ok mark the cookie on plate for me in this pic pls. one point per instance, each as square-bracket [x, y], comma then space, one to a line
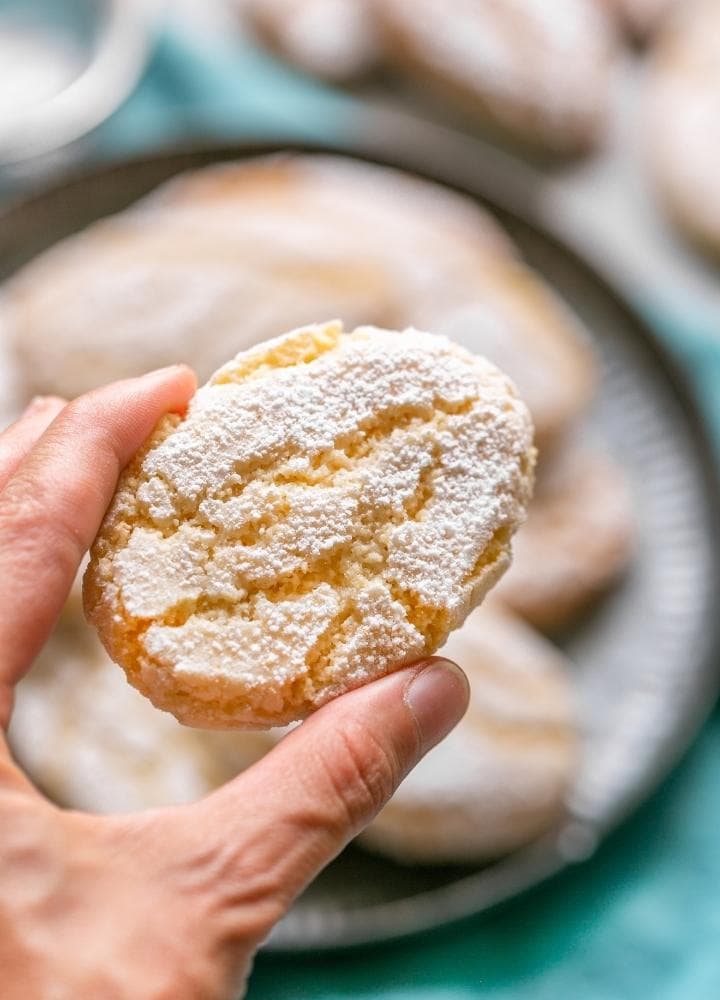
[333, 39]
[92, 742]
[683, 107]
[138, 292]
[522, 327]
[281, 544]
[220, 259]
[541, 71]
[500, 779]
[577, 540]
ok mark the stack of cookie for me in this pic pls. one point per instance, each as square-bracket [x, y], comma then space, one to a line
[219, 260]
[538, 74]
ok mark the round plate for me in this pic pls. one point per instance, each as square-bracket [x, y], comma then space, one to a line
[647, 671]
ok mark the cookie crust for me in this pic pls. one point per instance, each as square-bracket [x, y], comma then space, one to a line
[331, 506]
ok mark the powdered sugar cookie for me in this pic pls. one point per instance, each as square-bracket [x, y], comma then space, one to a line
[501, 777]
[222, 258]
[547, 354]
[450, 267]
[281, 543]
[577, 539]
[92, 742]
[541, 71]
[136, 293]
[333, 39]
[683, 99]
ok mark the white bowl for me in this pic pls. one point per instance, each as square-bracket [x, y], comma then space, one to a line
[66, 66]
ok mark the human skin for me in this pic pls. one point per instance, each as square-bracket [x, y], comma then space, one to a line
[170, 904]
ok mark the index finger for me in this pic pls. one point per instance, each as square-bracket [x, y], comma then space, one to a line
[52, 508]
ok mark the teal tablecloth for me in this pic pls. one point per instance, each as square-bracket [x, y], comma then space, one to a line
[642, 918]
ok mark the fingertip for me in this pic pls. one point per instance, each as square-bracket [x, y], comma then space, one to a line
[170, 372]
[180, 379]
[45, 405]
[437, 696]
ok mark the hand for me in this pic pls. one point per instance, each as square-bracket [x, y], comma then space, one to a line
[171, 903]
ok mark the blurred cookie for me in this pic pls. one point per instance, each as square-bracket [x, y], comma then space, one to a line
[683, 105]
[540, 70]
[501, 777]
[135, 293]
[547, 354]
[451, 268]
[92, 742]
[333, 39]
[280, 544]
[222, 258]
[577, 539]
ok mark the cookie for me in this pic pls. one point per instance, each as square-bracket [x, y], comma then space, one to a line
[500, 779]
[683, 109]
[332, 505]
[332, 39]
[577, 540]
[548, 356]
[222, 258]
[91, 742]
[540, 71]
[451, 268]
[135, 293]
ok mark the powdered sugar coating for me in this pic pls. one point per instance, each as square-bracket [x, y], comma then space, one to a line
[540, 69]
[330, 508]
[500, 778]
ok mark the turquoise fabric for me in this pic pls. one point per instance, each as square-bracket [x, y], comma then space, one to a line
[641, 918]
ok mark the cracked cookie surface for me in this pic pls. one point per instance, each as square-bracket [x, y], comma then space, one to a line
[330, 507]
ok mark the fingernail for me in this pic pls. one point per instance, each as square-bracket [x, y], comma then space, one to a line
[164, 372]
[40, 404]
[438, 698]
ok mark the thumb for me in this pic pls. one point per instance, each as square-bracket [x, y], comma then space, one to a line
[278, 824]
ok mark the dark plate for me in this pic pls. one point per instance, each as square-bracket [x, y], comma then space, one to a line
[647, 658]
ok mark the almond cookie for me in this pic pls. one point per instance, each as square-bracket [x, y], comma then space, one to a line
[539, 70]
[329, 509]
[547, 355]
[333, 39]
[220, 259]
[501, 777]
[138, 292]
[683, 104]
[91, 742]
[577, 540]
